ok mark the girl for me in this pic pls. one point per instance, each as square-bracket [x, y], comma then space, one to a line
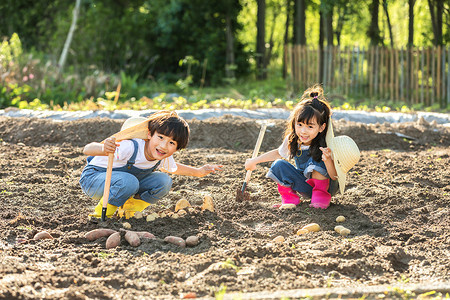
[136, 180]
[304, 142]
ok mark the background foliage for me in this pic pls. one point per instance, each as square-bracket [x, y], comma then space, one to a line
[176, 46]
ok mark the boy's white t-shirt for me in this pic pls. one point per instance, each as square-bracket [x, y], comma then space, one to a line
[283, 150]
[125, 151]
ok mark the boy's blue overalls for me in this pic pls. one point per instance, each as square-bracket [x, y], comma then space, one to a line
[126, 182]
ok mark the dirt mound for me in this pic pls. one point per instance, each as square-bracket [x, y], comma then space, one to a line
[396, 205]
[228, 132]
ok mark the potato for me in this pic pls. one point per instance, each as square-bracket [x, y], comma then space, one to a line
[126, 225]
[183, 203]
[190, 295]
[98, 233]
[279, 239]
[313, 227]
[345, 231]
[338, 228]
[132, 238]
[288, 206]
[42, 236]
[340, 219]
[302, 231]
[175, 240]
[138, 215]
[208, 204]
[181, 213]
[342, 230]
[113, 241]
[145, 235]
[192, 241]
[152, 217]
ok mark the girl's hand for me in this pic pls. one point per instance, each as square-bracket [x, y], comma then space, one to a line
[326, 154]
[250, 165]
[206, 169]
[110, 145]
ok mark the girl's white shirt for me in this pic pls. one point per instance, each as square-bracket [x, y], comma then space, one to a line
[283, 150]
[125, 151]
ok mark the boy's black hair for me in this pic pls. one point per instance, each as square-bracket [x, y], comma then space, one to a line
[312, 106]
[169, 123]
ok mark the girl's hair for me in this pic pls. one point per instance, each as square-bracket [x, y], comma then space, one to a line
[169, 123]
[313, 105]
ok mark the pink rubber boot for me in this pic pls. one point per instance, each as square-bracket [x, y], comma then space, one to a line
[288, 196]
[320, 197]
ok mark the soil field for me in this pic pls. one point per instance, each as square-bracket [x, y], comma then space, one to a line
[396, 204]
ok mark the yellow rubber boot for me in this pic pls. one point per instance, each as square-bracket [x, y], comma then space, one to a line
[131, 206]
[110, 210]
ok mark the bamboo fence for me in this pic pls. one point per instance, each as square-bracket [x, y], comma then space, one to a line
[410, 75]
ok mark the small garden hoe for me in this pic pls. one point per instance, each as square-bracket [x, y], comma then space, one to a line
[241, 194]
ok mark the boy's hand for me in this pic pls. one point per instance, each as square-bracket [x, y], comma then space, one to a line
[250, 165]
[206, 169]
[326, 154]
[110, 145]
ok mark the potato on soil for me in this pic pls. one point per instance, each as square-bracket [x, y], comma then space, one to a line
[42, 236]
[113, 241]
[340, 219]
[288, 206]
[152, 217]
[208, 204]
[126, 225]
[302, 231]
[138, 215]
[181, 204]
[98, 233]
[313, 227]
[342, 230]
[175, 240]
[132, 238]
[338, 228]
[145, 234]
[279, 239]
[192, 241]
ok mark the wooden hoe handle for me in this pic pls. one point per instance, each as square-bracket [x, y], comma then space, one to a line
[255, 153]
[107, 185]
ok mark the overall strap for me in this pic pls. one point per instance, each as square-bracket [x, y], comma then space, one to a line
[132, 159]
[156, 166]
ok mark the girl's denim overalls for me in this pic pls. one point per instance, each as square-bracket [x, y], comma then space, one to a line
[126, 181]
[284, 173]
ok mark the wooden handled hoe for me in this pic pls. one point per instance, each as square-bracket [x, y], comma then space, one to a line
[255, 153]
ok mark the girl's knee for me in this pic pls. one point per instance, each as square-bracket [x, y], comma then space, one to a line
[280, 164]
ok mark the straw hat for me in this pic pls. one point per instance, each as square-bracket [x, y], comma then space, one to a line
[345, 154]
[130, 122]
